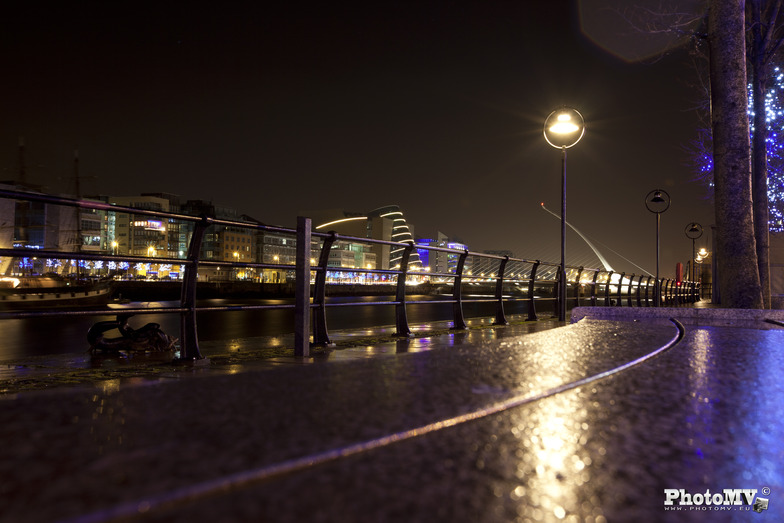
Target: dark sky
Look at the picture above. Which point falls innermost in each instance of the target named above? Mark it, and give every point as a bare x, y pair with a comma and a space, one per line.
438, 107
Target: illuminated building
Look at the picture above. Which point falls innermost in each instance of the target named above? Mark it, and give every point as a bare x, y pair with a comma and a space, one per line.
37, 225
401, 232
439, 261
385, 223
7, 216
140, 235
225, 243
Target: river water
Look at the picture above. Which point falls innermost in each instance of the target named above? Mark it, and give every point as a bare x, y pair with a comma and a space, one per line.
22, 338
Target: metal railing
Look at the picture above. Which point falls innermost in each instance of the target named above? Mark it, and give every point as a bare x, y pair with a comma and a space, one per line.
535, 283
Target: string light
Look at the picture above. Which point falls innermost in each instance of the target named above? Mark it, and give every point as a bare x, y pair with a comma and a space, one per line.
774, 118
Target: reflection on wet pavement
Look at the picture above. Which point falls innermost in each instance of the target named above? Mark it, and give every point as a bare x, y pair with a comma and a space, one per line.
237, 447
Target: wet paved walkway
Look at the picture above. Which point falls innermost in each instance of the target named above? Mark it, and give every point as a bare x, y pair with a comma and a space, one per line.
589, 422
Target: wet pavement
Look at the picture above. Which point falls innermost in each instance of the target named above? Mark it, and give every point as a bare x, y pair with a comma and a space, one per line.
600, 420
243, 354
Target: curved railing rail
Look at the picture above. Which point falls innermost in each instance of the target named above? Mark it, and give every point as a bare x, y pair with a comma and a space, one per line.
535, 283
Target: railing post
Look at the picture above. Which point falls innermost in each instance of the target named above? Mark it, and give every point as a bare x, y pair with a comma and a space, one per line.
189, 347
559, 278
401, 316
593, 288
500, 317
663, 293
531, 292
457, 294
620, 289
607, 289
320, 333
629, 291
667, 287
639, 284
577, 287
302, 289
647, 289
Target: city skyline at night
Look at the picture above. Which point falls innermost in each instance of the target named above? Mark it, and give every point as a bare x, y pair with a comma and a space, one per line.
437, 109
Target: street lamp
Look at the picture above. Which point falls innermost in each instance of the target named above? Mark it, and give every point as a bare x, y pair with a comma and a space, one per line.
563, 129
693, 232
657, 201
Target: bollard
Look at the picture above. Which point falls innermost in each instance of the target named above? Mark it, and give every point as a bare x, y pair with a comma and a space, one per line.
302, 290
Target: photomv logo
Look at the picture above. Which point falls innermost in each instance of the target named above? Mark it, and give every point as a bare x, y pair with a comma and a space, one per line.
726, 498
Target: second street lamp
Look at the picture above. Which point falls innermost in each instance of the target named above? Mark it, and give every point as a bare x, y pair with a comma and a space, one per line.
563, 129
657, 201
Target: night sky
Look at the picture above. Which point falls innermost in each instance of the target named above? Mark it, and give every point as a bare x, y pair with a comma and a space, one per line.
437, 107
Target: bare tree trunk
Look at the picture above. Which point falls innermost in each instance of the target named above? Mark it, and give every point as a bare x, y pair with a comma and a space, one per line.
736, 248
764, 37
759, 178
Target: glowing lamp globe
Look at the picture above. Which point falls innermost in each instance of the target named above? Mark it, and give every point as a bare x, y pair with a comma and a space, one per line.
564, 128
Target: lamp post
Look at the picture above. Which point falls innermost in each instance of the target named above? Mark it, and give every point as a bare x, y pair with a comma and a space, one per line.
563, 129
693, 232
657, 201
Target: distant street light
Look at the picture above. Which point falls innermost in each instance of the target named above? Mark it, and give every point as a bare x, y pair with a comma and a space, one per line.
657, 201
701, 257
563, 129
693, 232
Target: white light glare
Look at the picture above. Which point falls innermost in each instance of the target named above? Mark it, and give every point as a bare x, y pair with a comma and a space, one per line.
564, 125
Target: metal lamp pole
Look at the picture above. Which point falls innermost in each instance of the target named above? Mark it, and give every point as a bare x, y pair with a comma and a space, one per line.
562, 287
563, 129
693, 232
657, 201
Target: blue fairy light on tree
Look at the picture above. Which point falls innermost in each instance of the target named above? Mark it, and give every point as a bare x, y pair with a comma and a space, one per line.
774, 118
702, 150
